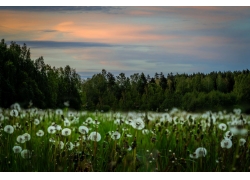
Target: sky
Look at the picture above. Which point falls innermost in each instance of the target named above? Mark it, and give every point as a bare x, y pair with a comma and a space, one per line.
132, 39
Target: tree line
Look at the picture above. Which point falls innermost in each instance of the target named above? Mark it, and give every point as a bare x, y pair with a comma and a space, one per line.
194, 92
23, 80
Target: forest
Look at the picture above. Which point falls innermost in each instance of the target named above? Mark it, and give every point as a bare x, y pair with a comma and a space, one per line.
24, 80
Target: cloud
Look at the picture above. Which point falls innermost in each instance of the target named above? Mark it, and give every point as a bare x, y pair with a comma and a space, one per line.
78, 9
57, 44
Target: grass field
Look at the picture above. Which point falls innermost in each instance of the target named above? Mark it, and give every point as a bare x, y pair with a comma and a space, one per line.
62, 140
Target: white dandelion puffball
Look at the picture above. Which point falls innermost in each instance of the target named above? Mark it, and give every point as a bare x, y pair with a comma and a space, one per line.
61, 145
117, 121
17, 149
116, 135
228, 135
52, 140
20, 139
69, 146
242, 141
36, 121
145, 131
138, 124
15, 106
67, 123
193, 156
59, 112
222, 126
26, 136
51, 129
58, 127
226, 143
66, 103
66, 132
201, 152
9, 129
94, 136
40, 133
14, 113
89, 120
83, 130
1, 117
26, 154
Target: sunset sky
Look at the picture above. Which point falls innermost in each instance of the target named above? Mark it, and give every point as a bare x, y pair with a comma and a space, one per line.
133, 39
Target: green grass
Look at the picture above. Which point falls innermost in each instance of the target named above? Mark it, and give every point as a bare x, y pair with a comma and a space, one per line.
167, 146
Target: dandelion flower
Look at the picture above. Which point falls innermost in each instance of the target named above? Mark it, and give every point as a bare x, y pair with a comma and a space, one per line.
26, 154
67, 123
1, 117
138, 124
61, 145
222, 126
17, 149
96, 122
52, 140
69, 146
94, 136
83, 129
193, 156
116, 135
242, 141
228, 135
201, 152
145, 131
226, 143
59, 112
16, 106
14, 113
117, 121
40, 133
66, 103
9, 129
20, 139
66, 132
89, 120
51, 129
26, 136
58, 127
36, 121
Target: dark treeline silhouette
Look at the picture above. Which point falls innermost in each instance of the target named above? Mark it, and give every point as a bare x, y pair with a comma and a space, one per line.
23, 80
195, 92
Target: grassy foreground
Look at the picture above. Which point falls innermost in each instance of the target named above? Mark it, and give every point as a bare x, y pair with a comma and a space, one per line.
34, 140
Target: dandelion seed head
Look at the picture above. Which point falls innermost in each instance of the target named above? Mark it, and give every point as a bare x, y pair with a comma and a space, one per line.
83, 130
26, 154
17, 149
26, 136
116, 135
13, 113
9, 129
242, 141
40, 133
20, 139
36, 122
94, 136
51, 129
222, 126
66, 132
226, 143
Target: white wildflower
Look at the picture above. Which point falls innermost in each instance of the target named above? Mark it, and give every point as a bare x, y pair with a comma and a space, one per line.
9, 129
94, 136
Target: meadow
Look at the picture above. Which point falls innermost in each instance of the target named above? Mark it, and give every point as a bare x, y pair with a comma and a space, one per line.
63, 140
